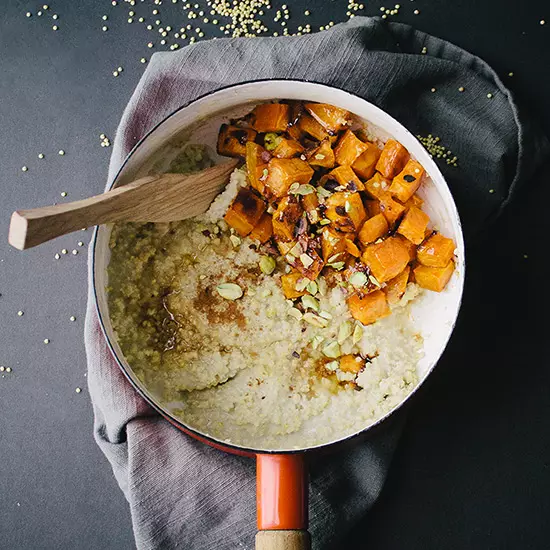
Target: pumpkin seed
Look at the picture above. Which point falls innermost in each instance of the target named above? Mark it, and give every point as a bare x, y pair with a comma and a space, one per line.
296, 313
310, 302
315, 320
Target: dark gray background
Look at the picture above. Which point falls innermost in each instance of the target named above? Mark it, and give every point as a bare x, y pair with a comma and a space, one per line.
472, 469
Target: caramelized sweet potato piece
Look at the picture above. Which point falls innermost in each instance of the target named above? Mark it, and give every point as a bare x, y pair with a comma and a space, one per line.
351, 363
289, 282
287, 148
373, 229
256, 162
413, 225
377, 186
310, 126
415, 200
331, 118
349, 148
245, 211
232, 140
286, 218
309, 263
345, 176
368, 308
386, 259
322, 156
406, 183
333, 245
295, 132
282, 173
391, 209
395, 288
365, 164
411, 247
263, 229
433, 278
392, 159
436, 251
310, 203
373, 208
351, 247
271, 117
346, 210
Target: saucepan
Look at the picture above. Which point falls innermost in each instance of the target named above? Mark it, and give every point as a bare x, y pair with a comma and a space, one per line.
282, 488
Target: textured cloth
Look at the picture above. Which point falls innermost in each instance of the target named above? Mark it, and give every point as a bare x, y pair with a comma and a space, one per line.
184, 494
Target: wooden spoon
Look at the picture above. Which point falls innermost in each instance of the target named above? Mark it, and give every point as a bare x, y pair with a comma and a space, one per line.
163, 198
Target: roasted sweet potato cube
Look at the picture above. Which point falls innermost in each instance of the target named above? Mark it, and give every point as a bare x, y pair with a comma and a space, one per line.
433, 278
346, 210
309, 263
377, 186
373, 208
289, 282
263, 230
333, 245
436, 251
287, 148
368, 308
310, 203
351, 363
345, 176
373, 229
245, 211
406, 183
391, 209
395, 288
365, 164
310, 126
282, 173
351, 247
271, 117
331, 118
392, 159
386, 259
256, 162
286, 218
411, 247
295, 132
349, 148
322, 156
232, 140
413, 225
415, 200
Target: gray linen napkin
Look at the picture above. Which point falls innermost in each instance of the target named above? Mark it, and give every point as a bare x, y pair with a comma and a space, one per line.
184, 494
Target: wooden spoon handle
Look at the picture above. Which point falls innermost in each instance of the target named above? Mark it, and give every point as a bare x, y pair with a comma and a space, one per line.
163, 198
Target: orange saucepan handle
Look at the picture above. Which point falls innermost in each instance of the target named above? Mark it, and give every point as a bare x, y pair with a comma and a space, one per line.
282, 498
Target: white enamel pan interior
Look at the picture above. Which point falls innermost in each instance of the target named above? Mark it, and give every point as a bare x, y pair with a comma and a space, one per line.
434, 315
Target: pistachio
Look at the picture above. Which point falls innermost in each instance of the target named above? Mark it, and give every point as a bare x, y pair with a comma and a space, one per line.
337, 265
306, 260
270, 209
324, 221
333, 258
309, 302
345, 376
271, 141
304, 189
301, 284
267, 265
332, 349
229, 291
316, 341
373, 280
325, 314
296, 250
358, 279
323, 192
344, 331
294, 187
357, 333
312, 288
315, 320
235, 241
332, 366
294, 312
322, 284
319, 156
347, 206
